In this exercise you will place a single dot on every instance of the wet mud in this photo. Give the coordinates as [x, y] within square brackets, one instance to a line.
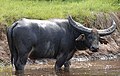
[80, 68]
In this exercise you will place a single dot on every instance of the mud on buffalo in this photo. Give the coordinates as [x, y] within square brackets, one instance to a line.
[53, 38]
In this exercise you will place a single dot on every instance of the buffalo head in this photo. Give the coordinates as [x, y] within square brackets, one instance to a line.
[89, 37]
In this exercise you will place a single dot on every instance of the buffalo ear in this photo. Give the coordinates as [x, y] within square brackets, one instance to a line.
[81, 37]
[103, 40]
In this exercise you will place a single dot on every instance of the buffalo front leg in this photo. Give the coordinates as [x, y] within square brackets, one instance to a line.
[60, 61]
[68, 63]
[67, 66]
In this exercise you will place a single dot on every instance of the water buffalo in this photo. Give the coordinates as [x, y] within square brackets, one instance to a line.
[54, 38]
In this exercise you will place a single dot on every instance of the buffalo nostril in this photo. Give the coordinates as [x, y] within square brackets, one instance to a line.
[95, 48]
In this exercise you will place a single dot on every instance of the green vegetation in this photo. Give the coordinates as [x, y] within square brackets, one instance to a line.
[11, 10]
[6, 70]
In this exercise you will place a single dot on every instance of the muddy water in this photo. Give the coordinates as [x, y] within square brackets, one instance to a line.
[82, 68]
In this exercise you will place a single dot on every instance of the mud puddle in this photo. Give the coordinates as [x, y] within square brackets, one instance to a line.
[82, 68]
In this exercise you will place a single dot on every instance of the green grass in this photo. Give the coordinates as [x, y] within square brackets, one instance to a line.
[11, 10]
[6, 70]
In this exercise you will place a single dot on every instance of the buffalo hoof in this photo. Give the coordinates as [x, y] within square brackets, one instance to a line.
[66, 69]
[19, 73]
[58, 70]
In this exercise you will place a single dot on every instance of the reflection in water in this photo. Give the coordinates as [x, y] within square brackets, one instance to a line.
[73, 72]
[78, 68]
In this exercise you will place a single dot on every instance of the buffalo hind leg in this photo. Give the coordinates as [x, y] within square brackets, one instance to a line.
[19, 65]
[21, 59]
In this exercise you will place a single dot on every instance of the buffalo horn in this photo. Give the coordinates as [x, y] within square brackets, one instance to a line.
[78, 26]
[108, 31]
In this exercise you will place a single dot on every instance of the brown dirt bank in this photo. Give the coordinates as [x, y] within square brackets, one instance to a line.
[101, 21]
